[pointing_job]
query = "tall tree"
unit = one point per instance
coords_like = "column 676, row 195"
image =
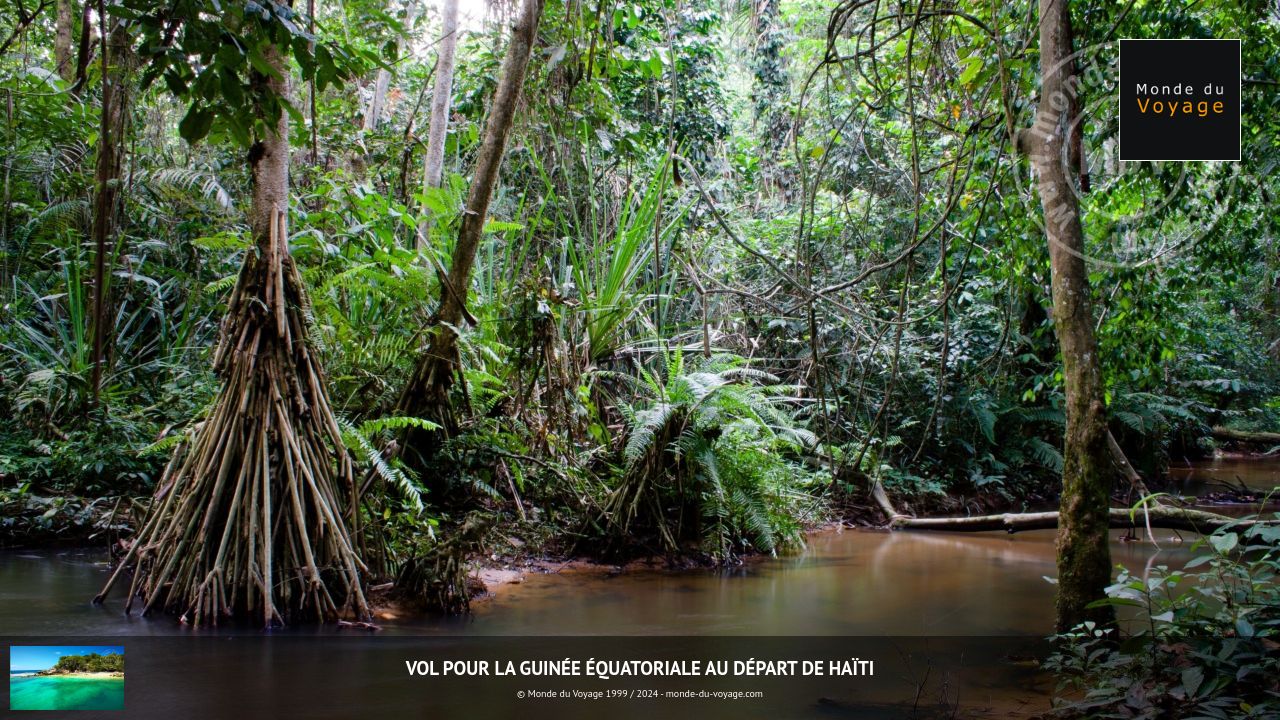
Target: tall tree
column 254, row 516
column 377, row 100
column 427, row 393
column 441, row 101
column 64, row 26
column 442, row 94
column 377, row 104
column 770, row 90
column 84, row 48
column 116, row 56
column 1084, row 557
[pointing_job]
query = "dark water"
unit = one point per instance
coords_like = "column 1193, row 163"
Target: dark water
column 854, row 583
column 963, row 594
column 1226, row 472
column 941, row 615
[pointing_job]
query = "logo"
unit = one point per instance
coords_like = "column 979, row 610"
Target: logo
column 1180, row 100
column 1146, row 210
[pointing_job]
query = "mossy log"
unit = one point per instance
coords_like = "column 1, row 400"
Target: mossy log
column 1243, row 436
column 1168, row 518
column 1152, row 515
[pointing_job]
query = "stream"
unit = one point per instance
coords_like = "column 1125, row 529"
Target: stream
column 851, row 583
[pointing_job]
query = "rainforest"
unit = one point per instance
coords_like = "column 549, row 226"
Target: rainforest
column 640, row 318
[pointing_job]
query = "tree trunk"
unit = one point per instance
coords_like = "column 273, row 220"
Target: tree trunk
column 269, row 163
column 1241, row 436
column 427, row 393
column 64, row 24
column 84, row 49
column 1136, row 485
column 442, row 95
column 441, row 100
column 1152, row 515
column 1084, row 558
column 373, row 111
column 116, row 57
column 255, row 517
column 382, row 82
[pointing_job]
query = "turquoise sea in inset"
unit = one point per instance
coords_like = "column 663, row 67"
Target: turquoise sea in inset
column 66, row 693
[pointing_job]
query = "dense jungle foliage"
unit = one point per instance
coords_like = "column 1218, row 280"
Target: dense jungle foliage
column 743, row 263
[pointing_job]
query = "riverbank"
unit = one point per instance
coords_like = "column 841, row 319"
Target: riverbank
column 516, row 562
column 497, row 577
column 34, row 520
column 514, row 552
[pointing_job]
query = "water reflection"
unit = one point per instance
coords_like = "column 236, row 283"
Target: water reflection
column 1223, row 472
column 847, row 583
column 853, row 582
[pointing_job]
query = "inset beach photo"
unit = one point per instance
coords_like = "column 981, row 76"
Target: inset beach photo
column 66, row 677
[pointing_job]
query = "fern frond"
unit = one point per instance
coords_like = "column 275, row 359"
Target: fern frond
column 361, row 445
column 1045, row 454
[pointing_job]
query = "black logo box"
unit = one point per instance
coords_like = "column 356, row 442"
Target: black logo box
column 1187, row 68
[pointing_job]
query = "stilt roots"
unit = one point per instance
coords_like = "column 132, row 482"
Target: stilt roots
column 255, row 516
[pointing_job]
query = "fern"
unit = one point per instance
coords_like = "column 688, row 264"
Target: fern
column 1134, row 421
column 1026, row 415
column 711, row 435
column 361, row 442
column 53, row 218
column 985, row 418
column 164, row 446
column 369, row 428
column 1045, row 454
column 188, row 179
column 221, row 285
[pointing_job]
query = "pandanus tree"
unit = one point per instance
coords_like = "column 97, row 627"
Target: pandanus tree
column 255, row 514
column 427, row 393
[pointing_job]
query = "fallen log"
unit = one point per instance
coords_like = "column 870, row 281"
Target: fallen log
column 1153, row 514
column 1168, row 518
column 1243, row 436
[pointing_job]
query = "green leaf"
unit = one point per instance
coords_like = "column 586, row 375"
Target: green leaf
column 259, row 63
column 195, row 125
column 305, row 55
column 1115, row 602
column 494, row 226
column 1192, row 679
column 436, row 199
column 229, row 56
column 1197, row 561
column 654, row 66
column 175, row 83
column 229, row 83
column 1224, row 543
